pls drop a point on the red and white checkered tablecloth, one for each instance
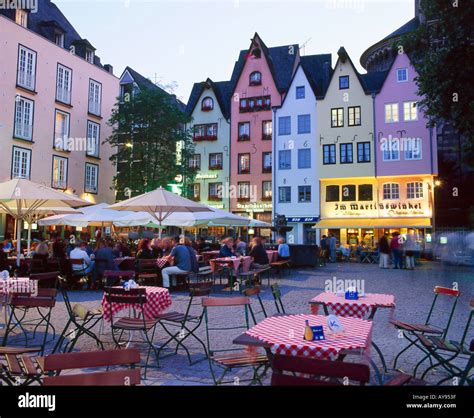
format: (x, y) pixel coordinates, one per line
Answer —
(161, 262)
(354, 308)
(285, 335)
(231, 262)
(158, 299)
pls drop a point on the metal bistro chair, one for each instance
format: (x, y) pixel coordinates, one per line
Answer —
(54, 364)
(21, 304)
(114, 277)
(135, 322)
(255, 291)
(411, 330)
(78, 276)
(276, 292)
(147, 271)
(231, 358)
(186, 323)
(81, 321)
(447, 352)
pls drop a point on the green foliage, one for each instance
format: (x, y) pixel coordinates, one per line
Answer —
(442, 52)
(151, 142)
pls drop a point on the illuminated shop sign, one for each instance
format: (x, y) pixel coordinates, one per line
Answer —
(374, 209)
(303, 219)
(204, 176)
(255, 207)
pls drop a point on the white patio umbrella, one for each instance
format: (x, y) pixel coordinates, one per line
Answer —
(98, 215)
(255, 223)
(27, 201)
(160, 204)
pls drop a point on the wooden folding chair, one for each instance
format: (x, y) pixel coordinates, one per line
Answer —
(232, 358)
(54, 364)
(147, 271)
(18, 366)
(187, 323)
(78, 276)
(410, 330)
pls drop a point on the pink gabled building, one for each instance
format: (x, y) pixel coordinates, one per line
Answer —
(57, 98)
(261, 78)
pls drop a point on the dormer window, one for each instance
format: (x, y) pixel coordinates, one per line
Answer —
(255, 78)
(207, 104)
(90, 56)
(21, 18)
(59, 39)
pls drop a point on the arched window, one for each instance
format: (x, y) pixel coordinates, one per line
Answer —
(255, 78)
(207, 104)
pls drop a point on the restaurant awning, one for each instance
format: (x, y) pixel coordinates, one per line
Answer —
(374, 223)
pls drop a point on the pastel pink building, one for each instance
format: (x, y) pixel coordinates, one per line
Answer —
(261, 77)
(56, 101)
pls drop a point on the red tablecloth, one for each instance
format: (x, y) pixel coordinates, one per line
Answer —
(158, 299)
(355, 308)
(161, 262)
(285, 335)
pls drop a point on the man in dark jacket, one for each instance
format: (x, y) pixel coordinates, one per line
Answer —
(384, 249)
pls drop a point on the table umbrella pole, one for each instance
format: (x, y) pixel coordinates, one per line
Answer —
(18, 241)
(29, 238)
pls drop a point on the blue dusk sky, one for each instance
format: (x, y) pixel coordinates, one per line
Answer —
(179, 42)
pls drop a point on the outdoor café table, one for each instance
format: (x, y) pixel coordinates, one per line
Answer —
(233, 263)
(272, 256)
(158, 299)
(368, 257)
(360, 308)
(283, 334)
(120, 260)
(207, 255)
(162, 262)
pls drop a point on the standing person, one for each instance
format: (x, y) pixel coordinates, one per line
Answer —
(324, 247)
(184, 260)
(227, 248)
(260, 256)
(240, 246)
(396, 248)
(283, 249)
(332, 247)
(384, 248)
(410, 248)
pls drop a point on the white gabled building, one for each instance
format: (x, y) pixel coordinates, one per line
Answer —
(295, 174)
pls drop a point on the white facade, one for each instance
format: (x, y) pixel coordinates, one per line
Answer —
(300, 150)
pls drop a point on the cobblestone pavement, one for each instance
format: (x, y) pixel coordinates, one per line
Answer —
(413, 292)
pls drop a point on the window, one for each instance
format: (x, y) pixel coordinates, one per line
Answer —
(304, 124)
(363, 152)
(244, 164)
(59, 176)
(93, 139)
(243, 190)
(215, 161)
(267, 130)
(353, 116)
(332, 193)
(256, 53)
(304, 158)
(365, 192)
(346, 151)
(95, 97)
(300, 93)
(402, 75)
(266, 162)
(207, 132)
(337, 117)
(329, 154)
(90, 56)
(304, 194)
(410, 111)
(284, 194)
(59, 39)
(255, 78)
(255, 104)
(26, 72)
(412, 148)
(207, 104)
(284, 159)
(343, 82)
(266, 190)
(215, 191)
(21, 163)
(348, 193)
(61, 130)
(195, 162)
(391, 150)
(92, 178)
(244, 131)
(24, 109)
(194, 191)
(391, 112)
(21, 17)
(391, 191)
(284, 125)
(415, 190)
(63, 84)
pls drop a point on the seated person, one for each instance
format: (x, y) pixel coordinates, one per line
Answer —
(41, 253)
(258, 253)
(283, 250)
(227, 249)
(166, 246)
(240, 246)
(104, 259)
(79, 253)
(156, 248)
(144, 250)
(183, 256)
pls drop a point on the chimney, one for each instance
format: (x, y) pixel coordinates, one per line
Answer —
(109, 68)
